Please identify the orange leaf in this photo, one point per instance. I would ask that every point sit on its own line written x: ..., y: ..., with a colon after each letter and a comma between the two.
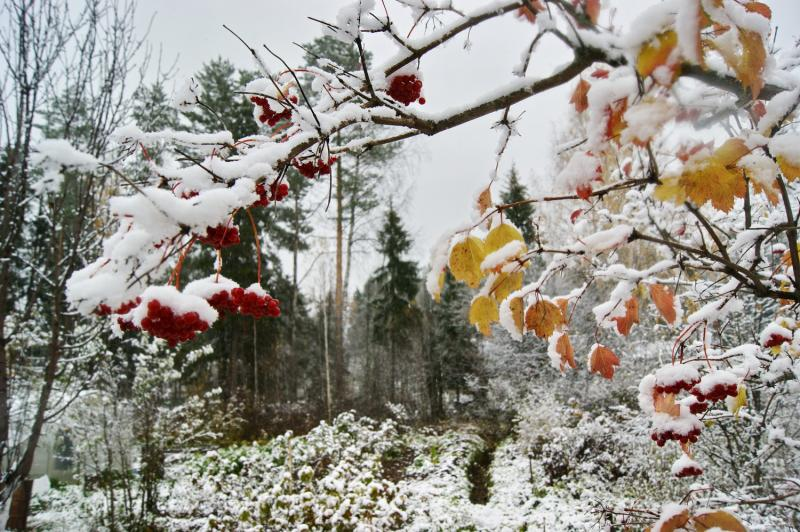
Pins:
x: 760, y: 8
x: 677, y: 521
x: 717, y: 519
x: 656, y: 53
x: 602, y: 360
x: 631, y: 316
x: 664, y: 300
x: 485, y: 200
x: 665, y: 402
x: 562, y: 303
x: 543, y: 317
x: 592, y: 9
x: 565, y: 350
x: 789, y: 170
x: 527, y: 14
x: 616, y: 121
x: 579, y: 97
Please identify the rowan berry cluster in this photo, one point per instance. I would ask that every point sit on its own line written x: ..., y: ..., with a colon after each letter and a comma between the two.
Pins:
x: 163, y: 322
x: 265, y: 113
x: 221, y: 236
x: 314, y: 168
x: 406, y: 89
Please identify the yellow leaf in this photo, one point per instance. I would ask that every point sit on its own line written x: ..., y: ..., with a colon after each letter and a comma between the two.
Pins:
x: 504, y: 284
x: 656, y: 53
x: 665, y: 403
x: 752, y: 62
x: 736, y: 403
x: 482, y: 313
x: 719, y: 519
x: 790, y: 171
x: 730, y: 152
x: 465, y: 261
x: 437, y: 296
x: 670, y: 189
x: 501, y: 235
x: 543, y: 317
x: 602, y: 360
x: 517, y: 308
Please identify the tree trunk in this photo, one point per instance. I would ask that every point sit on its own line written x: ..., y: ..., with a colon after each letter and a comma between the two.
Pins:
x: 20, y: 504
x: 338, y: 336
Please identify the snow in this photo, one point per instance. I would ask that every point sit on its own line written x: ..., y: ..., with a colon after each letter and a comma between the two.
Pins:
x: 503, y: 255
x: 605, y: 240
x: 646, y: 119
x: 582, y: 169
x: 180, y: 303
x: 786, y: 146
x: 668, y: 511
x: 684, y: 462
x: 715, y: 311
x: 778, y: 108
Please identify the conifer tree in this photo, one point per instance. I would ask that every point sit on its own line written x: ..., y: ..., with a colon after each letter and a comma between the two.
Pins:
x: 521, y: 214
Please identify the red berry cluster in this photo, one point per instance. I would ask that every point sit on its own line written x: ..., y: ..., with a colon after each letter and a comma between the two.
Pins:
x: 267, y: 115
x: 689, y: 471
x: 221, y: 236
x: 312, y: 169
x: 661, y: 437
x: 278, y: 191
x: 718, y: 392
x: 126, y: 325
x: 776, y: 339
x: 698, y: 407
x: 406, y: 89
x: 226, y: 301
x: 258, y: 304
x: 105, y: 310
x: 163, y: 322
x: 676, y: 386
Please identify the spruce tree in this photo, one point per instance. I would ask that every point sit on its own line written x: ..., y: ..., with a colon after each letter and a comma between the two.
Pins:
x: 521, y: 214
x: 395, y: 314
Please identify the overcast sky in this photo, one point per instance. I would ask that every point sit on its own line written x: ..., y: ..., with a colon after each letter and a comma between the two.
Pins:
x: 443, y: 171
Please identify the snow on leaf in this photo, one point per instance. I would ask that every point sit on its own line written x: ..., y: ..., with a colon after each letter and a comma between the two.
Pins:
x: 482, y: 313
x: 665, y: 403
x: 664, y: 300
x: 602, y: 360
x: 512, y: 312
x: 465, y: 261
x: 735, y: 404
x: 656, y: 53
x: 501, y: 235
x: 561, y: 353
x: 718, y: 519
x: 673, y: 516
x: 580, y: 97
x: 625, y: 323
x: 542, y: 318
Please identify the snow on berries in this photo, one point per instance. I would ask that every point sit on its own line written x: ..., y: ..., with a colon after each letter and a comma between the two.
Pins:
x: 174, y: 316
x: 257, y: 303
x: 685, y: 466
x: 774, y: 335
x: 221, y: 236
x: 674, y: 378
x: 124, y: 308
x: 221, y: 293
x: 716, y: 386
x: 277, y: 192
x: 406, y: 89
x: 265, y: 113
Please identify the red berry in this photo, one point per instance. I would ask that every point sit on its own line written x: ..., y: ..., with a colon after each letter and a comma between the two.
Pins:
x: 257, y: 303
x: 690, y: 471
x: 163, y: 322
x: 221, y: 236
x: 406, y: 89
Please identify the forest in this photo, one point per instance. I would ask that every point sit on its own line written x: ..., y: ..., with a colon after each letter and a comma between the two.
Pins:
x: 214, y: 314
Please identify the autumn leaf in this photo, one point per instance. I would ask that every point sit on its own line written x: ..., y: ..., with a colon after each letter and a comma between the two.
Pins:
x: 504, y: 284
x: 602, y: 360
x: 542, y: 318
x: 516, y: 308
x: 564, y: 349
x: 616, y: 118
x: 592, y: 9
x: 656, y: 53
x: 625, y: 323
x: 437, y: 296
x: 665, y: 403
x: 790, y: 171
x: 737, y: 403
x: 501, y: 235
x: 750, y: 63
x: 465, y: 261
x: 563, y: 305
x: 485, y: 200
x: 482, y: 313
x: 580, y: 97
x: 719, y: 519
x: 664, y: 300
x: 677, y: 521
x: 760, y: 8
x: 527, y: 14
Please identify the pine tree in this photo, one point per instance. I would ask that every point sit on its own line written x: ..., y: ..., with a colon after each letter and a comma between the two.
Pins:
x: 521, y: 214
x: 395, y: 314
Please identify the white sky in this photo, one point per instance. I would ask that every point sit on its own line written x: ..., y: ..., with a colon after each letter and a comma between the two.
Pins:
x: 447, y: 169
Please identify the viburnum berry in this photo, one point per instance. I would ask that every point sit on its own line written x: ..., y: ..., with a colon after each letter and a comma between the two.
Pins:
x: 774, y: 335
x: 257, y: 303
x: 221, y: 293
x: 278, y: 191
x: 716, y: 386
x: 662, y: 436
x: 689, y: 472
x: 267, y: 115
x: 124, y: 308
x: 406, y: 89
x: 686, y: 467
x: 698, y: 407
x: 312, y: 169
x: 174, y: 316
x: 126, y: 325
x: 221, y: 236
x: 674, y: 378
x: 263, y: 197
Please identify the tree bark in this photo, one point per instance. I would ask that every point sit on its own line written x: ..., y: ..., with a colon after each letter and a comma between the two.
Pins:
x: 338, y: 337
